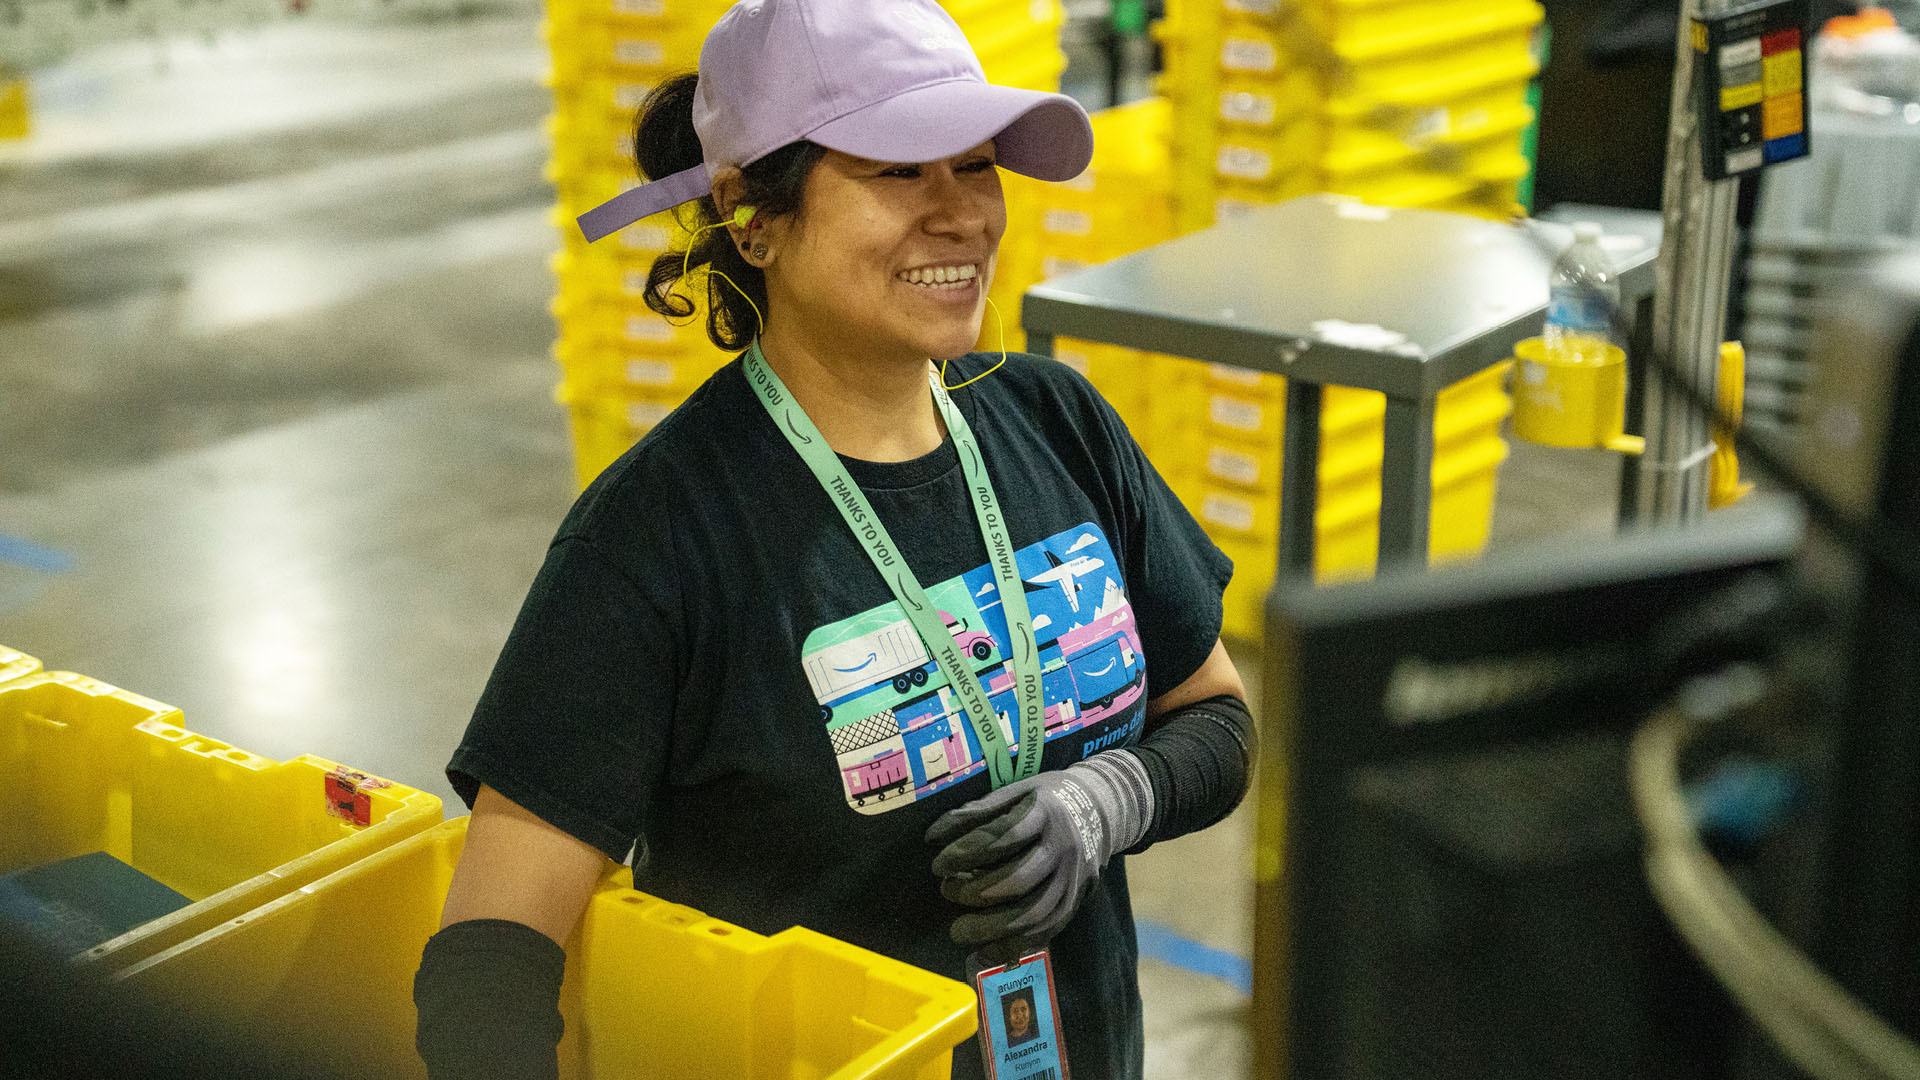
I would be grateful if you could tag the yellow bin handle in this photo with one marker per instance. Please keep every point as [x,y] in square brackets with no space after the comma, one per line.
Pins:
[1723,472]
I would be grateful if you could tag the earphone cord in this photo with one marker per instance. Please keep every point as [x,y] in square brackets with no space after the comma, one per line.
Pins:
[999,324]
[686,262]
[1002,326]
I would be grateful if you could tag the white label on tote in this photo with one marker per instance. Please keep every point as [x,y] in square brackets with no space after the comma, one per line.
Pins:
[1245,54]
[1235,413]
[1430,124]
[649,328]
[1067,223]
[1244,162]
[1253,7]
[652,9]
[644,238]
[1225,209]
[1234,465]
[630,95]
[645,372]
[1074,359]
[1228,511]
[1053,266]
[1245,107]
[1239,376]
[642,52]
[645,414]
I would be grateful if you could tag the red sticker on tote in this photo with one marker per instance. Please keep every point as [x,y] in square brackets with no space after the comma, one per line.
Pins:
[346,797]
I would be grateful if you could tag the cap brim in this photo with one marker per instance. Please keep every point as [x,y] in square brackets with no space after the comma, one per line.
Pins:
[1043,135]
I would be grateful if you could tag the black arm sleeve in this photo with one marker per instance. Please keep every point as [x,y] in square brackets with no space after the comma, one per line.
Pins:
[1199,759]
[488,995]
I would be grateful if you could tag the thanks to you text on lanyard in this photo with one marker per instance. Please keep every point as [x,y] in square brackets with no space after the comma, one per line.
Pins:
[1030,720]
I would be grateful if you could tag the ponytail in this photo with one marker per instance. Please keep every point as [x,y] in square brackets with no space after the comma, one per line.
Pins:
[664,143]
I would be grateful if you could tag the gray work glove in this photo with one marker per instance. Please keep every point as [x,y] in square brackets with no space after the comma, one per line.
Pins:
[1029,853]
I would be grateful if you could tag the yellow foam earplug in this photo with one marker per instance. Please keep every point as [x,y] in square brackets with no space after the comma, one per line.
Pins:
[743,216]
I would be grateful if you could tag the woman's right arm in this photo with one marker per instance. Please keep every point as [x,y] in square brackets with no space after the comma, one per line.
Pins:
[488,989]
[518,867]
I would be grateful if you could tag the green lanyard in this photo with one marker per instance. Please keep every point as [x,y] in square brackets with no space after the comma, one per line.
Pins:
[852,503]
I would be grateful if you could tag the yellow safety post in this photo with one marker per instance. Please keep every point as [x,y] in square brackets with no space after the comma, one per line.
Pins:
[1723,484]
[15,121]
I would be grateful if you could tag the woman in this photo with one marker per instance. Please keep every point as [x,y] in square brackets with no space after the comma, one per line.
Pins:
[769,643]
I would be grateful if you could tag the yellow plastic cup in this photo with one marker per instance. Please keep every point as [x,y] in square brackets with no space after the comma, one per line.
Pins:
[1572,401]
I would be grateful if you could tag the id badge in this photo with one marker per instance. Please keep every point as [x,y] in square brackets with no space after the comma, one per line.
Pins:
[1020,1020]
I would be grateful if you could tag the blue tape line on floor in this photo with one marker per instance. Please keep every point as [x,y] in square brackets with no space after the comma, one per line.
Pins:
[1161,943]
[33,556]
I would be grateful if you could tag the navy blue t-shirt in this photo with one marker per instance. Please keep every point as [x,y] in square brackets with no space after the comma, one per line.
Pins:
[709,666]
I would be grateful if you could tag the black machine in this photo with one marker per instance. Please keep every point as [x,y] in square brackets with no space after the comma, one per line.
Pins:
[1450,876]
[1452,880]
[1863,436]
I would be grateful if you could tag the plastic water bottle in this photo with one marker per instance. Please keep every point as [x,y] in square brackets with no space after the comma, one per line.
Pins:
[1583,296]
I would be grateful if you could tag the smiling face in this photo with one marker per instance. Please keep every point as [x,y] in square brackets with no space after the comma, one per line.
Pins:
[889,261]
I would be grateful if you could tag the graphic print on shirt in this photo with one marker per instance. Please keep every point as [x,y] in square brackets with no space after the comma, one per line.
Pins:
[899,731]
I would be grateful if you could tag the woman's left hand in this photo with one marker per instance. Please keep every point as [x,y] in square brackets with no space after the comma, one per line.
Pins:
[1029,853]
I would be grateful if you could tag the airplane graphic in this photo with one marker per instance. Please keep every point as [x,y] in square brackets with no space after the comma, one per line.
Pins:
[1066,575]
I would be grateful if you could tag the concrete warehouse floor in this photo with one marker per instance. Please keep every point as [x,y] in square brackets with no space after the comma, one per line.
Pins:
[279,441]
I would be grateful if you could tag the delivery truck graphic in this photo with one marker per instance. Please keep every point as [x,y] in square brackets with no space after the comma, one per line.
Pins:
[892,656]
[896,725]
[927,743]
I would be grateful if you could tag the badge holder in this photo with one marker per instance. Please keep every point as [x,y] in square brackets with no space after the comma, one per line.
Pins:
[1020,1036]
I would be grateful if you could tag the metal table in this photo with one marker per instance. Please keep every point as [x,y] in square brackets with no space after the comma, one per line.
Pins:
[1325,290]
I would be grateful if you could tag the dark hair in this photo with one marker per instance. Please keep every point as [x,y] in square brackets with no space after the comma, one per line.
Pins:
[665,143]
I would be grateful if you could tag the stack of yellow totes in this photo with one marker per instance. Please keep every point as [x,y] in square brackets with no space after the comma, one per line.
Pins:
[1018,42]
[623,366]
[1217,441]
[1418,103]
[1122,203]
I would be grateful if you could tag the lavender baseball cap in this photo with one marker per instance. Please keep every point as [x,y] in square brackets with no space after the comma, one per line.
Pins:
[891,80]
